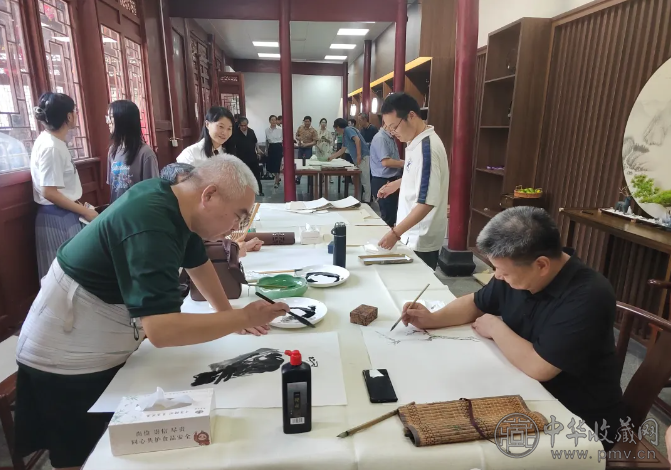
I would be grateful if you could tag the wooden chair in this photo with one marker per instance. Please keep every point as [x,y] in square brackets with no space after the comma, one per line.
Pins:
[649,379]
[7,398]
[654,332]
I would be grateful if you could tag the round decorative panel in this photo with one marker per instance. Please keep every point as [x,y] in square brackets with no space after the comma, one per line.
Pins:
[646,149]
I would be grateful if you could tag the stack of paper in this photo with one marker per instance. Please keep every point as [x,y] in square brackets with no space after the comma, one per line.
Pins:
[320,204]
[337,163]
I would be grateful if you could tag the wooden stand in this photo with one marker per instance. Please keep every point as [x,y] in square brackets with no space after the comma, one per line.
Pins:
[510,116]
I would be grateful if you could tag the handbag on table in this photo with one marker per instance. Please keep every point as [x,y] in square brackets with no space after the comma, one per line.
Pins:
[225,256]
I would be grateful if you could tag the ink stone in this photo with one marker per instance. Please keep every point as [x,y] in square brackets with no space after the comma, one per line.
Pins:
[363,315]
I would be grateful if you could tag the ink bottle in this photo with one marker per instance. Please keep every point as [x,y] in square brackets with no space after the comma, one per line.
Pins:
[296,394]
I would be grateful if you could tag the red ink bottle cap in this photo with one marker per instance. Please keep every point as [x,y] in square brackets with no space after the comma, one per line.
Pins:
[296,358]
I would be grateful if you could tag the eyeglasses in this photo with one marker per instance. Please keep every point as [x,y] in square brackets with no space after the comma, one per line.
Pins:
[393,129]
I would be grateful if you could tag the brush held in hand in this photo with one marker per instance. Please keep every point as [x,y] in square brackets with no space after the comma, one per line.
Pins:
[411,305]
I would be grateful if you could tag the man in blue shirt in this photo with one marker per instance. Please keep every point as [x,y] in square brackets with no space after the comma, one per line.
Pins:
[359,150]
[385,166]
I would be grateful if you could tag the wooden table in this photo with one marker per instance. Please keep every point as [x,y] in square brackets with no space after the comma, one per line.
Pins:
[635,232]
[354,174]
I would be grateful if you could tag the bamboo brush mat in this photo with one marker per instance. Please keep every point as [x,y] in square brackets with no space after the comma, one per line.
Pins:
[450,422]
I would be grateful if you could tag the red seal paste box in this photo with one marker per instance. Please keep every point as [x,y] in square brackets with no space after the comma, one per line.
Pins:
[181,425]
[363,315]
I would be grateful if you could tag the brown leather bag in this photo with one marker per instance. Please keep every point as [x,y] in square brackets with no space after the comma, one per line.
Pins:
[225,256]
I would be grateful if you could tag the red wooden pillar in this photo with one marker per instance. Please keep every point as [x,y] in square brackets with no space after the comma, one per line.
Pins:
[345,88]
[287,97]
[399,51]
[365,100]
[456,260]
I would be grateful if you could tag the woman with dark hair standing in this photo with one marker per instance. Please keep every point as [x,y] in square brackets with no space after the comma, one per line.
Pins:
[274,149]
[56,184]
[130,159]
[217,131]
[247,148]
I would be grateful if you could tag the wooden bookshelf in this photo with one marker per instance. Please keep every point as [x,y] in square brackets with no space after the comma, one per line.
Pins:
[417,85]
[510,116]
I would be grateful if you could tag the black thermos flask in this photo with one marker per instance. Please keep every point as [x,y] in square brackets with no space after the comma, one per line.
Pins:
[339,233]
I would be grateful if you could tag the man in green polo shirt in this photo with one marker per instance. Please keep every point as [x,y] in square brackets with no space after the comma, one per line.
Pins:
[114,283]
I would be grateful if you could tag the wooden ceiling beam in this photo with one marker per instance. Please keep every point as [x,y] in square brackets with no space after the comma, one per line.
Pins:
[297,68]
[301,10]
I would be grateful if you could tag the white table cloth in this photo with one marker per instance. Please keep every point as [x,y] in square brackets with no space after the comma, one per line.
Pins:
[253,438]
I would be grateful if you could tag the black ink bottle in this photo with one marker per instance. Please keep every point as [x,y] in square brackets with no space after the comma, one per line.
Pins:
[296,394]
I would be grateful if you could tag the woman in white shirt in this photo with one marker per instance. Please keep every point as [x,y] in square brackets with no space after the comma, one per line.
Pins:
[56,185]
[274,149]
[324,142]
[217,131]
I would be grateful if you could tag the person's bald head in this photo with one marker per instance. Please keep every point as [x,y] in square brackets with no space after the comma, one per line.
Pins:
[225,190]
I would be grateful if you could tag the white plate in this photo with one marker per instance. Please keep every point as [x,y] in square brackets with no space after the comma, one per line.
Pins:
[287,321]
[324,281]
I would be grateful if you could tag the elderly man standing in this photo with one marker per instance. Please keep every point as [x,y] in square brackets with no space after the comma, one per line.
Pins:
[550,314]
[114,283]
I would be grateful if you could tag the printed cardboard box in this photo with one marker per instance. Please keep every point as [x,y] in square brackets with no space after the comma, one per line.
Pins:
[133,431]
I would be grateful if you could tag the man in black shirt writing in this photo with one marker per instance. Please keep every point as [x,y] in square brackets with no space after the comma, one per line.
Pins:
[550,314]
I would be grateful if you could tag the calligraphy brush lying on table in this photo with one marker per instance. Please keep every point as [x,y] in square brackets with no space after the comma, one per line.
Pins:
[373,422]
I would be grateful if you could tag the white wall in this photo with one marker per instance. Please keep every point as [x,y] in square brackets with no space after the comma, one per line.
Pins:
[313,95]
[495,14]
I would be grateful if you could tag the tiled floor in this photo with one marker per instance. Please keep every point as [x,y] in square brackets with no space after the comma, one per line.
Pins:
[459,286]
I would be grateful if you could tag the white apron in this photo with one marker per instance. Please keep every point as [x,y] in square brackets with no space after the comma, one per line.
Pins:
[70,331]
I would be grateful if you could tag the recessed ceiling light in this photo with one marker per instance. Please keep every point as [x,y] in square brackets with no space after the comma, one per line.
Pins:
[266,55]
[352,32]
[266,43]
[343,46]
[335,57]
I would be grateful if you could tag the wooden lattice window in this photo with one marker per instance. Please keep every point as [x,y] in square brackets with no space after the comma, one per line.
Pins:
[125,73]
[116,82]
[136,81]
[205,78]
[129,5]
[232,102]
[62,65]
[18,129]
[202,79]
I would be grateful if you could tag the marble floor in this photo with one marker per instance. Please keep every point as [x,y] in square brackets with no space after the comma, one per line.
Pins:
[459,286]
